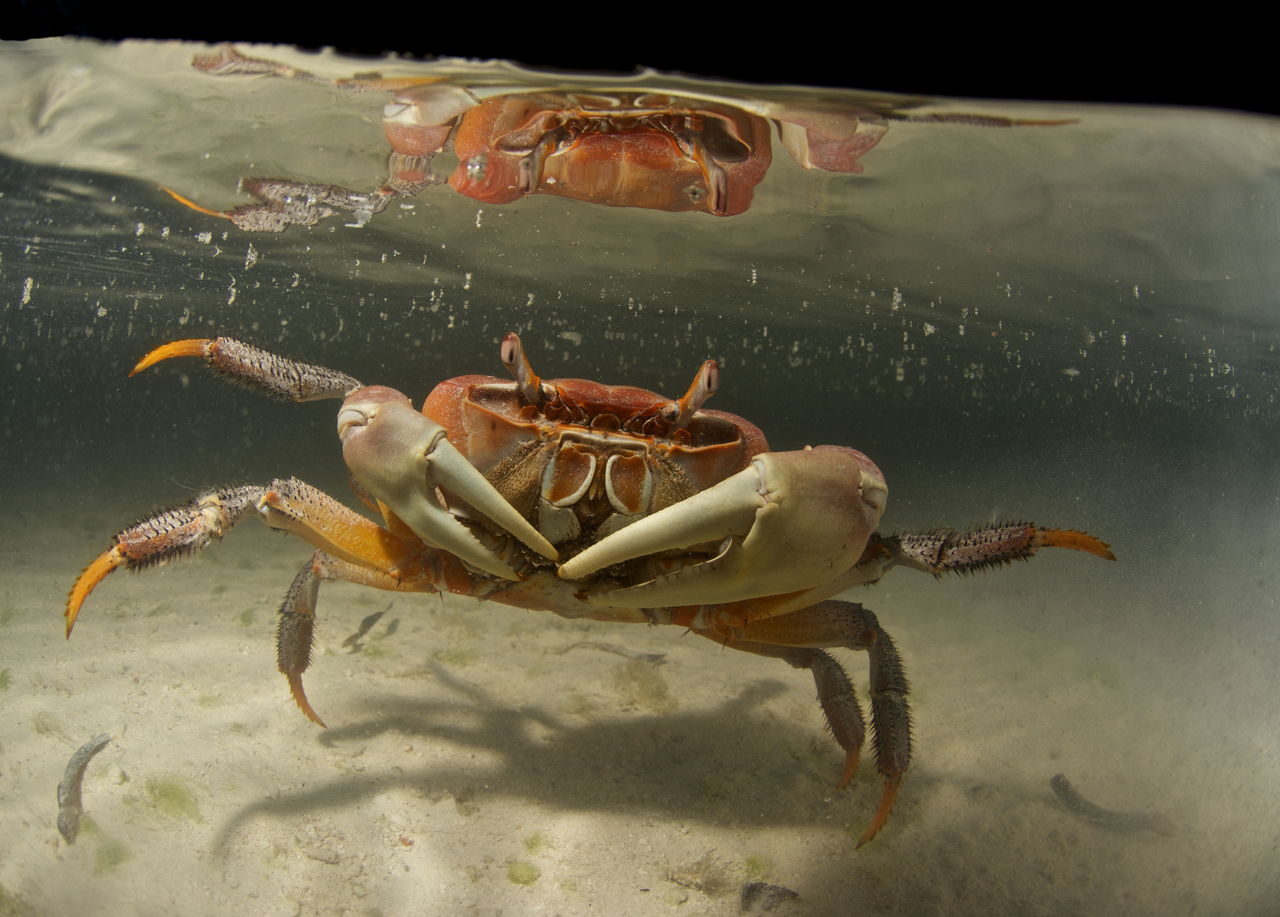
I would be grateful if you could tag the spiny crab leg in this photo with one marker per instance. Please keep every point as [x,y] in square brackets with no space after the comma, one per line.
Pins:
[799,639]
[284,202]
[948,551]
[352,548]
[287,504]
[789,521]
[159,538]
[258,369]
[402,456]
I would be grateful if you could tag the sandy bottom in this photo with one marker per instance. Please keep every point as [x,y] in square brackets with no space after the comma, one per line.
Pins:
[488,761]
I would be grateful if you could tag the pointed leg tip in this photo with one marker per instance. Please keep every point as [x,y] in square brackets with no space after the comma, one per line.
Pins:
[187,202]
[101,567]
[191,347]
[850,768]
[1075,541]
[300,698]
[887,799]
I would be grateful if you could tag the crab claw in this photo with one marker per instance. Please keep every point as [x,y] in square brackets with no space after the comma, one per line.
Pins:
[401,457]
[789,521]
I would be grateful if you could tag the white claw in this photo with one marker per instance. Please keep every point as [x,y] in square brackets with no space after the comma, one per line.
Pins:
[402,456]
[789,521]
[728,508]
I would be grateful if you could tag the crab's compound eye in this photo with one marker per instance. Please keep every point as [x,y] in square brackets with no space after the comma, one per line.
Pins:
[476,166]
[710,377]
[509,349]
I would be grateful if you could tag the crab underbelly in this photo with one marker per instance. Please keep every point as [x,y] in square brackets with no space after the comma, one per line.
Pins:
[544,591]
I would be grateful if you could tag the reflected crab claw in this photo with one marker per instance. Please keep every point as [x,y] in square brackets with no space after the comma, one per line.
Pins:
[789,521]
[401,456]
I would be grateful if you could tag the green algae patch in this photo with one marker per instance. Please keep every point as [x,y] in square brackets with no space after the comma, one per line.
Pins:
[12,905]
[110,855]
[170,796]
[458,658]
[522,872]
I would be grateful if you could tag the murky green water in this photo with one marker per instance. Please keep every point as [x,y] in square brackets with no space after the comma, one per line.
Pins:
[1075,323]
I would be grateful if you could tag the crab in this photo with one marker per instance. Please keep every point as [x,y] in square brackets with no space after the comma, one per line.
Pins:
[595,501]
[623,147]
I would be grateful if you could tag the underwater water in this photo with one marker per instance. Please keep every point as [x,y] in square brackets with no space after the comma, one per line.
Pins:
[1074,322]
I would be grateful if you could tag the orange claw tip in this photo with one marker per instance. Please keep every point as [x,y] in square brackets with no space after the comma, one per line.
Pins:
[1075,541]
[300,698]
[192,204]
[93,574]
[192,347]
[850,768]
[887,799]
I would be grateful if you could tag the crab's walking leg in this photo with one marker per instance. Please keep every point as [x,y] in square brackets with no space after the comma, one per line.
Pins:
[170,533]
[227,61]
[287,504]
[947,551]
[258,369]
[352,549]
[798,638]
[295,632]
[296,627]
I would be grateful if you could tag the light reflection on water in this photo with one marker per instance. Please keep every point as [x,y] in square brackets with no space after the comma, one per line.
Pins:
[1076,323]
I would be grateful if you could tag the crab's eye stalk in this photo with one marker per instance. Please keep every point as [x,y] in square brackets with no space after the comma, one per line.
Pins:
[511,352]
[704,385]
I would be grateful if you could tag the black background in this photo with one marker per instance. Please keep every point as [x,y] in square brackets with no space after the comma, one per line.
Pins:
[1051,53]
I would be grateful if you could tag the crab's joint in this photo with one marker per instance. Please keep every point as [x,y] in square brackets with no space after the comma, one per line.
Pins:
[258,369]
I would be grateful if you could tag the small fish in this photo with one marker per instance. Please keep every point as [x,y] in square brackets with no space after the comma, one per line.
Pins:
[69,806]
[366,625]
[1105,818]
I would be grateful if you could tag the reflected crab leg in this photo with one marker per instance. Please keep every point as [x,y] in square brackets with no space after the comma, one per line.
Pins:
[228,61]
